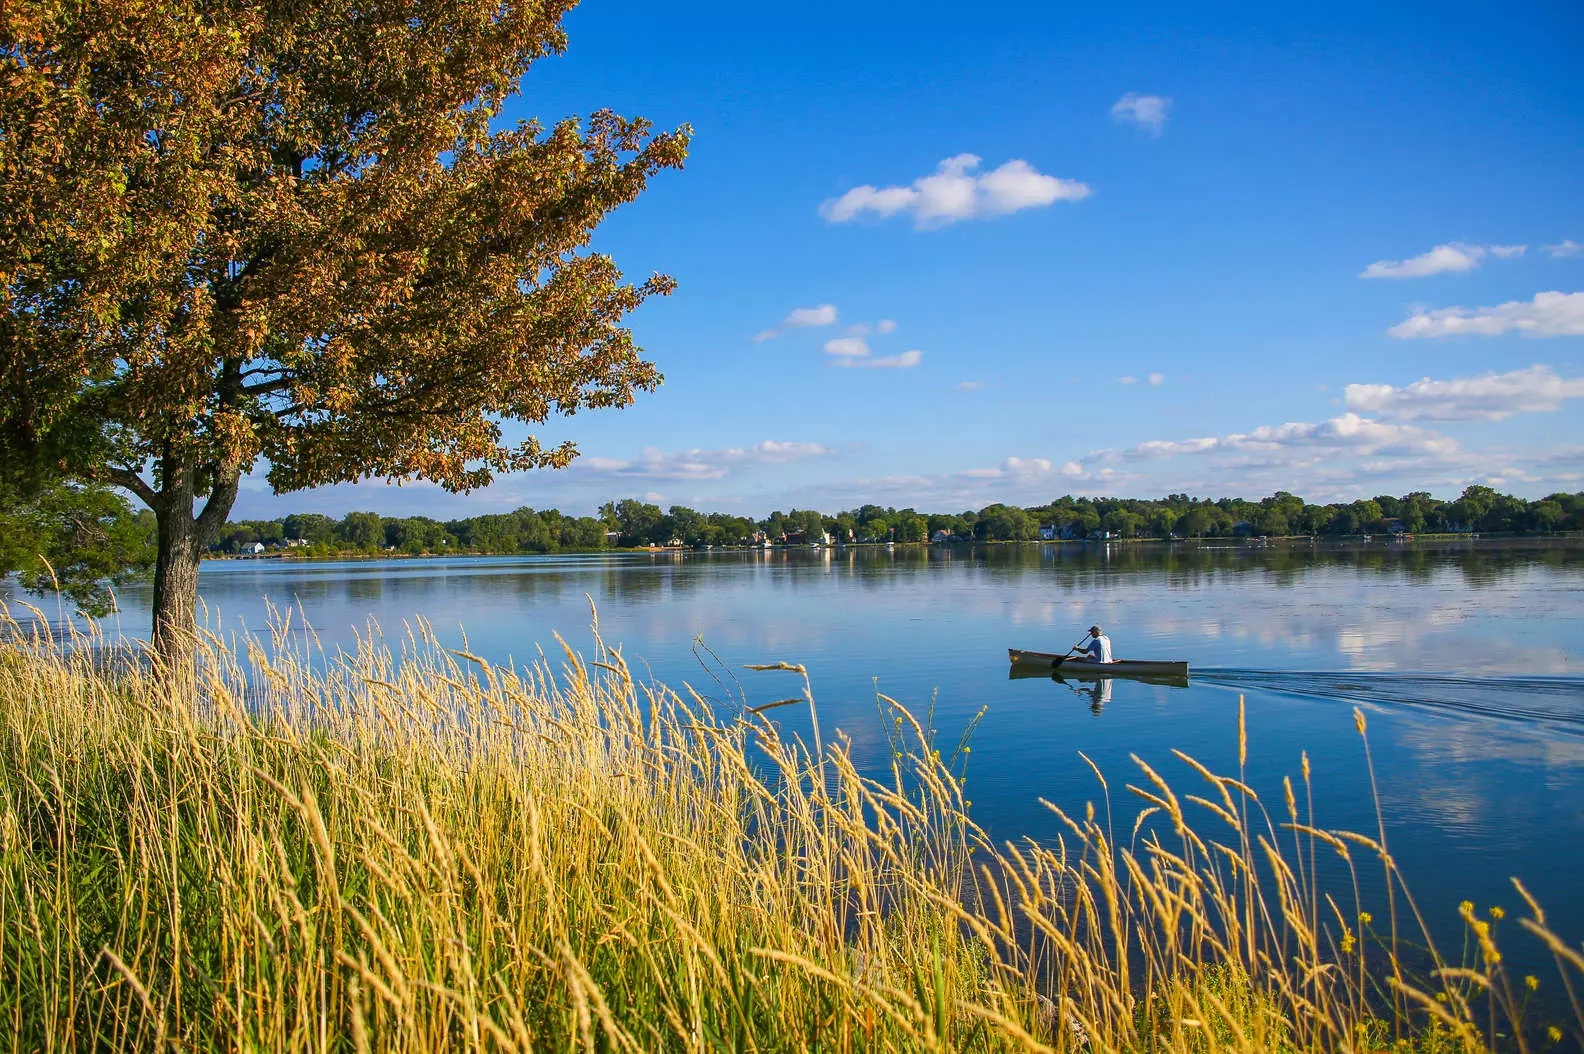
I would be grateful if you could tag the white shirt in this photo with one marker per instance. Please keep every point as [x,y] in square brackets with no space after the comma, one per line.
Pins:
[1100,649]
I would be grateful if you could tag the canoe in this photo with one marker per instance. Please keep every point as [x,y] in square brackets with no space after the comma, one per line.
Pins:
[1062,675]
[1085,668]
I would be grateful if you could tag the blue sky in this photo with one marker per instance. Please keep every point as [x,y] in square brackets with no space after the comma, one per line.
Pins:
[1203,248]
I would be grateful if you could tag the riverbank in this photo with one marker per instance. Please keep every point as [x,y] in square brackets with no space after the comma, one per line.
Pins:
[445,854]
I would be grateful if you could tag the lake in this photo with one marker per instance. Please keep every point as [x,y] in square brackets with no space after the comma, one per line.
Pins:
[1467,659]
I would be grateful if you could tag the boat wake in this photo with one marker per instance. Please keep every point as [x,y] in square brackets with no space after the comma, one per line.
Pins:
[1557,702]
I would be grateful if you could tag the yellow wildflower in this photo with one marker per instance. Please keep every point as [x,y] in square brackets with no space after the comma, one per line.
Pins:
[1532,982]
[1497,913]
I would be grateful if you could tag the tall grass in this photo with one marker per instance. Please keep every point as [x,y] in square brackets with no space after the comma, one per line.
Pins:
[421,851]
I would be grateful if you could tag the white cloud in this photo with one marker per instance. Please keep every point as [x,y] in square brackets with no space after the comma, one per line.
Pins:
[1452,257]
[802,318]
[695,464]
[885,325]
[952,193]
[1550,314]
[1146,111]
[1443,258]
[1157,379]
[1488,398]
[1563,249]
[905,361]
[1349,432]
[1127,380]
[847,346]
[824,315]
[967,386]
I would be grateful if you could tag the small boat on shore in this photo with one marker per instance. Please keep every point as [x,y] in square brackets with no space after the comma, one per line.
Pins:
[1072,667]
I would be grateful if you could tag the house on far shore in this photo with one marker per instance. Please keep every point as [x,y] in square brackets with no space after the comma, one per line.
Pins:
[1048,533]
[1394,525]
[254,549]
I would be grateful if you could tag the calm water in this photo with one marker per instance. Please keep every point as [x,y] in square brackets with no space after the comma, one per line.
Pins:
[1469,663]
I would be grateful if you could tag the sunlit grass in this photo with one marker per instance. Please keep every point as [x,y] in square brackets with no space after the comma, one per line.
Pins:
[422,851]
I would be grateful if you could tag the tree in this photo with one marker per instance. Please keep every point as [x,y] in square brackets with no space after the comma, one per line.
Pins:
[311,527]
[1197,521]
[1004,523]
[686,524]
[1548,515]
[362,530]
[634,520]
[1473,505]
[84,540]
[289,232]
[806,522]
[584,532]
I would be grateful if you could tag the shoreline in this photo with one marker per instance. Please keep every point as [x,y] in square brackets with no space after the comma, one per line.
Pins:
[1332,542]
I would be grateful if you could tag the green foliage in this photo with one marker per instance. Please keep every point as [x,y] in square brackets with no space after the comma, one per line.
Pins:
[638,523]
[84,540]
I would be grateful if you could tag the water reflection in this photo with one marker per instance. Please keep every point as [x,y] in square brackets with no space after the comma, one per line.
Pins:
[1097,690]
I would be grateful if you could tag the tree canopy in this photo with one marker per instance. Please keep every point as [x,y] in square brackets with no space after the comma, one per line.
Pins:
[244,230]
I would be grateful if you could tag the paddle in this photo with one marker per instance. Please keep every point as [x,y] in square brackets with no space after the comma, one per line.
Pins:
[1056,662]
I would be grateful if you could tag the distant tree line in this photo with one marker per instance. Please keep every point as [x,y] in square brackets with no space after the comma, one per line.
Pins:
[631,522]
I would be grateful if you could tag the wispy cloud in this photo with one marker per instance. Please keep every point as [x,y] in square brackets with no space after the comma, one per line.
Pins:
[847,347]
[1550,314]
[1452,257]
[696,464]
[1348,432]
[905,361]
[1488,398]
[861,329]
[967,386]
[801,318]
[1129,379]
[1565,248]
[1157,379]
[954,192]
[1146,111]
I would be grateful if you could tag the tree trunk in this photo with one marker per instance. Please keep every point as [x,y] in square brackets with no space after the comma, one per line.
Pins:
[176,585]
[183,536]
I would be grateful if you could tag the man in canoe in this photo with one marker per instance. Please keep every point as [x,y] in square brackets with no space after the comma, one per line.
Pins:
[1099,649]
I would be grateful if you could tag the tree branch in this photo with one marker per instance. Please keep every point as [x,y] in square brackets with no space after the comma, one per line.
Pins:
[126,479]
[222,495]
[280,384]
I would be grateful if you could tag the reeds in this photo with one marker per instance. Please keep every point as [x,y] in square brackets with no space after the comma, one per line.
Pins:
[424,851]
